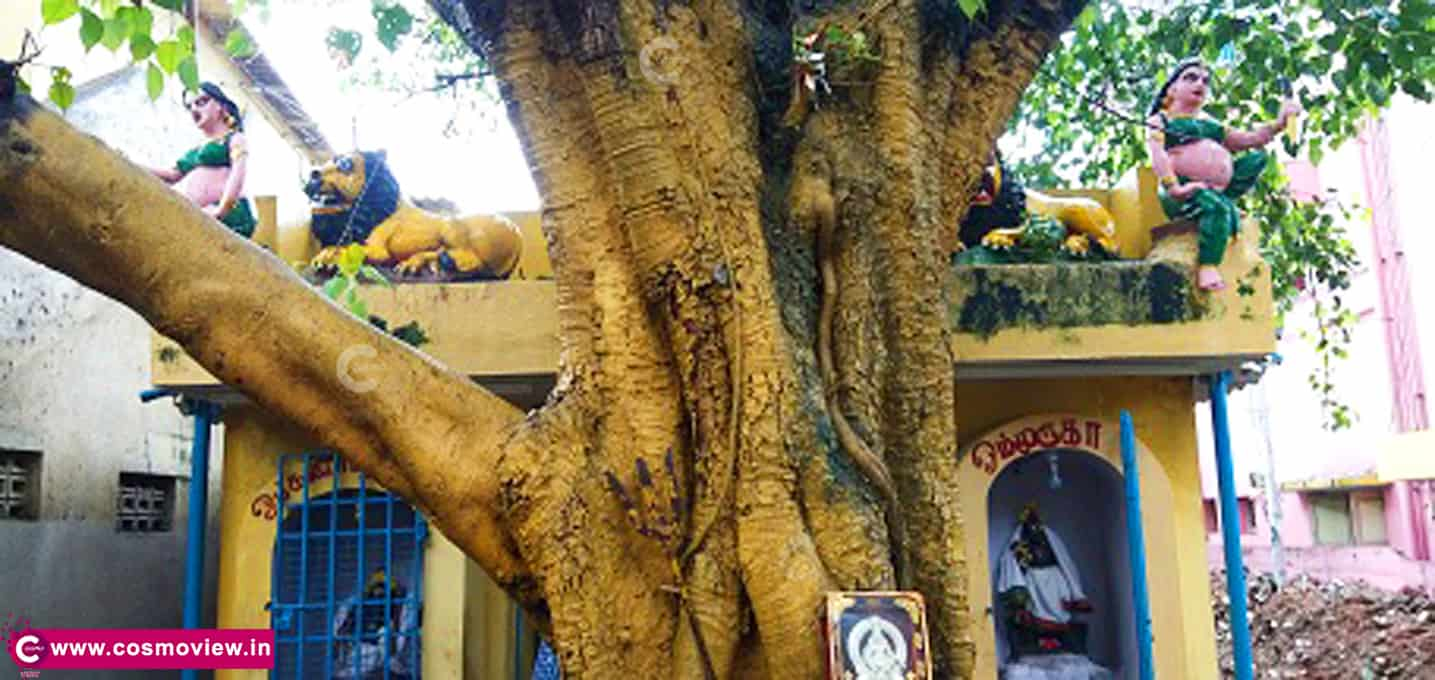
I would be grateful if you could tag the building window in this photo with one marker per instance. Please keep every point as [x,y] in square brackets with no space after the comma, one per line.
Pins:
[145,503]
[1245,506]
[19,484]
[1247,509]
[1349,517]
[1368,516]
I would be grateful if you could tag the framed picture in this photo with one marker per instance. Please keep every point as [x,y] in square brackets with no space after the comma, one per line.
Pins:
[877,635]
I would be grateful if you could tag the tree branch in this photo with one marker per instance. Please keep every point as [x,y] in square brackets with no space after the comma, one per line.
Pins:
[426,433]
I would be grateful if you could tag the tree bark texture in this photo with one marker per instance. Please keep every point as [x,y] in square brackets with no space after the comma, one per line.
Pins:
[755,403]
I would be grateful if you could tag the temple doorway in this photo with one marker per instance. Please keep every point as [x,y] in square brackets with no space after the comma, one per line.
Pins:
[1061,586]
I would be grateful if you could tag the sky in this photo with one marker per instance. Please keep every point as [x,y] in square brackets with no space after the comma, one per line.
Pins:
[479,169]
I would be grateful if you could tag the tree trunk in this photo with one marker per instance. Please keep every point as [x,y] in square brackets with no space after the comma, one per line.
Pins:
[755,403]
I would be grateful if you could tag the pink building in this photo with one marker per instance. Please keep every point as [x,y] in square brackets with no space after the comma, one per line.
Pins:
[1359,504]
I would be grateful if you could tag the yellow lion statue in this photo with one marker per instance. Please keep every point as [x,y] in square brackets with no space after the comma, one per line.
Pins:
[354,198]
[999,210]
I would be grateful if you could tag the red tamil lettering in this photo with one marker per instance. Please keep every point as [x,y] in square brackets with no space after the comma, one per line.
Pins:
[1093,434]
[265,505]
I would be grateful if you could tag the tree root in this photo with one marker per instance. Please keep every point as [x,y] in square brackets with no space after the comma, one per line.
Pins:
[821,208]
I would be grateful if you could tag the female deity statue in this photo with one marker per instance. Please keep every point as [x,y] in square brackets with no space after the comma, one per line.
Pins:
[1191,153]
[212,174]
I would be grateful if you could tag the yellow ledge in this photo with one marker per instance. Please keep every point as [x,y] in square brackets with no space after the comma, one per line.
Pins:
[1233,326]
[490,330]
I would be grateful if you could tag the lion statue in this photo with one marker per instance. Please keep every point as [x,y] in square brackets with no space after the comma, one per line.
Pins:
[354,198]
[999,211]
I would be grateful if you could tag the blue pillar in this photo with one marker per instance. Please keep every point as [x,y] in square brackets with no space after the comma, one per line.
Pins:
[205,413]
[1136,543]
[1231,530]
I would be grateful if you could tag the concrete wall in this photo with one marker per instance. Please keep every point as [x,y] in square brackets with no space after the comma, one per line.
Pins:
[1378,565]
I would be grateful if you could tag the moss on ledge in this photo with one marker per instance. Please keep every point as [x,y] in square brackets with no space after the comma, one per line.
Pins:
[990,298]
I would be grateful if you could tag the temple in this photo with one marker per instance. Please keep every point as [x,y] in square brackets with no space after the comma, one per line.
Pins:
[1048,358]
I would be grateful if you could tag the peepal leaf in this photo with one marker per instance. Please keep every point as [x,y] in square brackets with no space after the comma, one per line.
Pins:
[154,82]
[55,11]
[92,28]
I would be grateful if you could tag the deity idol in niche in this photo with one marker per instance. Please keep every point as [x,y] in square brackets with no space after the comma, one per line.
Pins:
[1042,603]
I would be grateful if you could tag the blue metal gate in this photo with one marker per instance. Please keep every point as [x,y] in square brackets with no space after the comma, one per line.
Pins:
[347,584]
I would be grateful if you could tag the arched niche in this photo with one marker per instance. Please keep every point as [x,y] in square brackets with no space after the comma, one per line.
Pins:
[1080,499]
[1011,458]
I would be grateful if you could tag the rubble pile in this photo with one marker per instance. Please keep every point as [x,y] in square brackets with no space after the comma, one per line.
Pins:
[1331,629]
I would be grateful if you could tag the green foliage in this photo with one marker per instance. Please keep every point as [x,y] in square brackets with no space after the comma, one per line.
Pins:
[167,55]
[1041,243]
[154,81]
[344,288]
[92,28]
[121,24]
[55,11]
[393,22]
[344,45]
[238,44]
[971,7]
[61,91]
[1345,58]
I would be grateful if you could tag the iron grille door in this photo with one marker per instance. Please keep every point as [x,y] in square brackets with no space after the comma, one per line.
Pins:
[347,588]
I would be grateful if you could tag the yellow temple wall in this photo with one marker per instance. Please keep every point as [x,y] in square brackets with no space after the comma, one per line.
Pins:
[1174,529]
[467,620]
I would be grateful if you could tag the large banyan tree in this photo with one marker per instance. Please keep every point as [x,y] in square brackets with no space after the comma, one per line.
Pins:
[755,402]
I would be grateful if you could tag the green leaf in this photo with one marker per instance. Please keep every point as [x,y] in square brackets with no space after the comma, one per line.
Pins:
[411,333]
[168,54]
[186,37]
[351,259]
[154,82]
[55,11]
[371,274]
[971,7]
[356,304]
[141,21]
[63,94]
[336,287]
[92,28]
[344,45]
[141,46]
[189,73]
[171,5]
[394,22]
[237,44]
[117,31]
